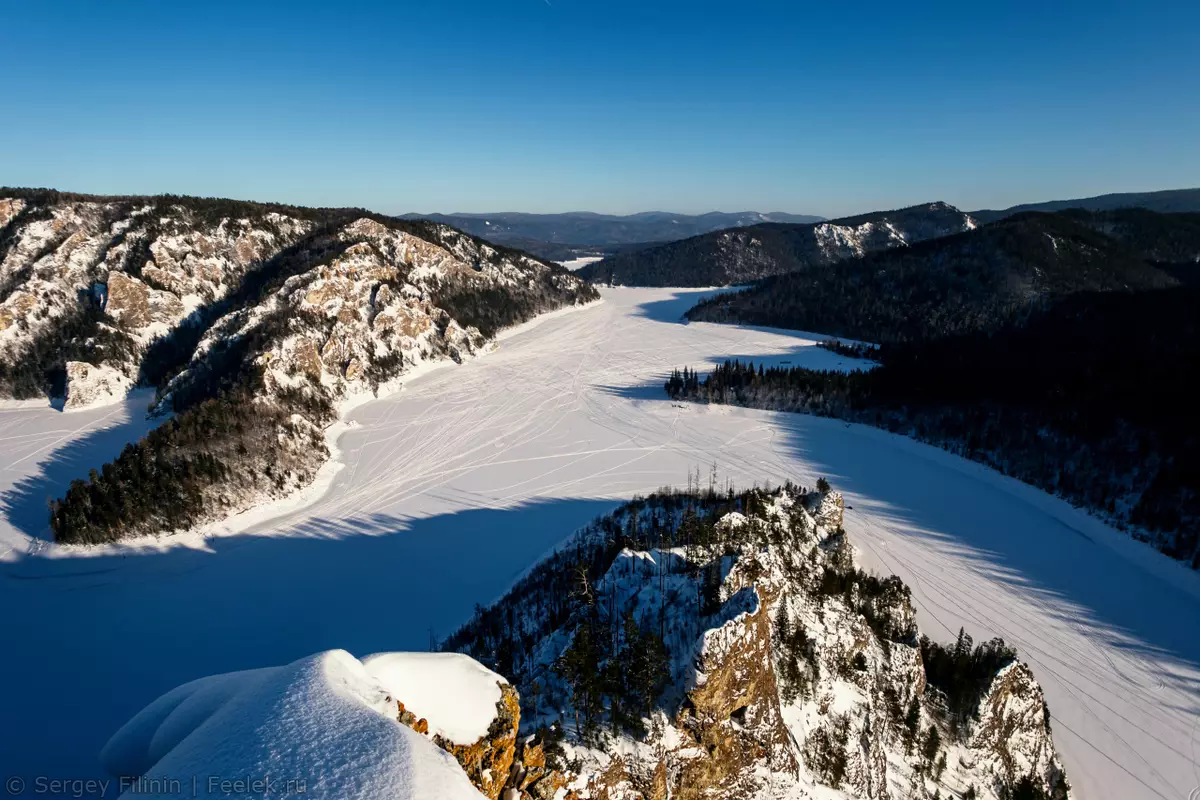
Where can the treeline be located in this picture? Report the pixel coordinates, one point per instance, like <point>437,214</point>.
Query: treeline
<point>963,673</point>
<point>209,209</point>
<point>174,477</point>
<point>1081,398</point>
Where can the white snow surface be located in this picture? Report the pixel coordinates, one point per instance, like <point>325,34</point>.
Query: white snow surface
<point>455,693</point>
<point>454,486</point>
<point>320,727</point>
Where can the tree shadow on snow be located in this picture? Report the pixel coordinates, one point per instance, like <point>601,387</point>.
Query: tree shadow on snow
<point>26,503</point>
<point>1002,530</point>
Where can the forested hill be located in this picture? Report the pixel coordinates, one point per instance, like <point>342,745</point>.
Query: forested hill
<point>1171,241</point>
<point>745,254</point>
<point>1168,201</point>
<point>975,280</point>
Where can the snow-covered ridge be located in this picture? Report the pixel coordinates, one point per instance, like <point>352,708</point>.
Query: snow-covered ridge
<point>786,671</point>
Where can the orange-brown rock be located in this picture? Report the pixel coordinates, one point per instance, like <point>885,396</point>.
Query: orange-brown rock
<point>16,307</point>
<point>734,717</point>
<point>488,761</point>
<point>9,208</point>
<point>136,305</point>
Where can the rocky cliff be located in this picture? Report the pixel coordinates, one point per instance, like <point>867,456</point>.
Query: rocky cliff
<point>786,672</point>
<point>257,323</point>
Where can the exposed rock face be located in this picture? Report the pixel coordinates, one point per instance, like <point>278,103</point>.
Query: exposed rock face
<point>156,259</point>
<point>136,306</point>
<point>488,762</point>
<point>1011,739</point>
<point>89,386</point>
<point>733,716</point>
<point>790,670</point>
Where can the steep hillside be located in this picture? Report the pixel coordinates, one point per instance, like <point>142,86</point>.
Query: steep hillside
<point>747,254</point>
<point>714,644</point>
<point>256,322</point>
<point>971,281</point>
<point>1166,201</point>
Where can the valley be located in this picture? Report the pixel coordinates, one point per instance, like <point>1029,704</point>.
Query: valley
<point>448,490</point>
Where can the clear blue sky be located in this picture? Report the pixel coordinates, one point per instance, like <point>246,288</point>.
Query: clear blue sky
<point>613,106</point>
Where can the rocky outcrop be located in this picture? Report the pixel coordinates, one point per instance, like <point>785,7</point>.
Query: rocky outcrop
<point>489,761</point>
<point>1011,740</point>
<point>89,386</point>
<point>137,307</point>
<point>790,669</point>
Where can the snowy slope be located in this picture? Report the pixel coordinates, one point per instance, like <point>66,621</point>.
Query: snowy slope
<point>321,727</point>
<point>455,486</point>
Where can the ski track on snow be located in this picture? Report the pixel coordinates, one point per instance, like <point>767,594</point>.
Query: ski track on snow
<point>455,485</point>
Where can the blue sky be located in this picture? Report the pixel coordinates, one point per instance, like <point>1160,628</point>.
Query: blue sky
<point>558,105</point>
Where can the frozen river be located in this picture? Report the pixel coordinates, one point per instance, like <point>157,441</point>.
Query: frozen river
<point>455,485</point>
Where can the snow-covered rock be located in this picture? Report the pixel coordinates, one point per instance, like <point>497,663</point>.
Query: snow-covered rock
<point>89,386</point>
<point>320,727</point>
<point>792,673</point>
<point>456,693</point>
<point>1012,739</point>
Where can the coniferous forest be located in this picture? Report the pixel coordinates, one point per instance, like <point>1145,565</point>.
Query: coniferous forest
<point>1084,398</point>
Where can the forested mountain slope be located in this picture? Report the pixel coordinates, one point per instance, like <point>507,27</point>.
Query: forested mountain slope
<point>254,321</point>
<point>975,280</point>
<point>747,254</point>
<point>1081,398</point>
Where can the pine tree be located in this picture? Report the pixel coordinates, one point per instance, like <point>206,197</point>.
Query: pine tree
<point>579,666</point>
<point>912,721</point>
<point>933,743</point>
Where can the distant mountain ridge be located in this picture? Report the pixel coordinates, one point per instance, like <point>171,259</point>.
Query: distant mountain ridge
<point>585,229</point>
<point>759,251</point>
<point>1168,201</point>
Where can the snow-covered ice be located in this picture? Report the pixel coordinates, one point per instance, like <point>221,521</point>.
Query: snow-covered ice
<point>454,486</point>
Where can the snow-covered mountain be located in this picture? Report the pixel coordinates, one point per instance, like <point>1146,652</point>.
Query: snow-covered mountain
<point>256,322</point>
<point>744,254</point>
<point>687,645</point>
